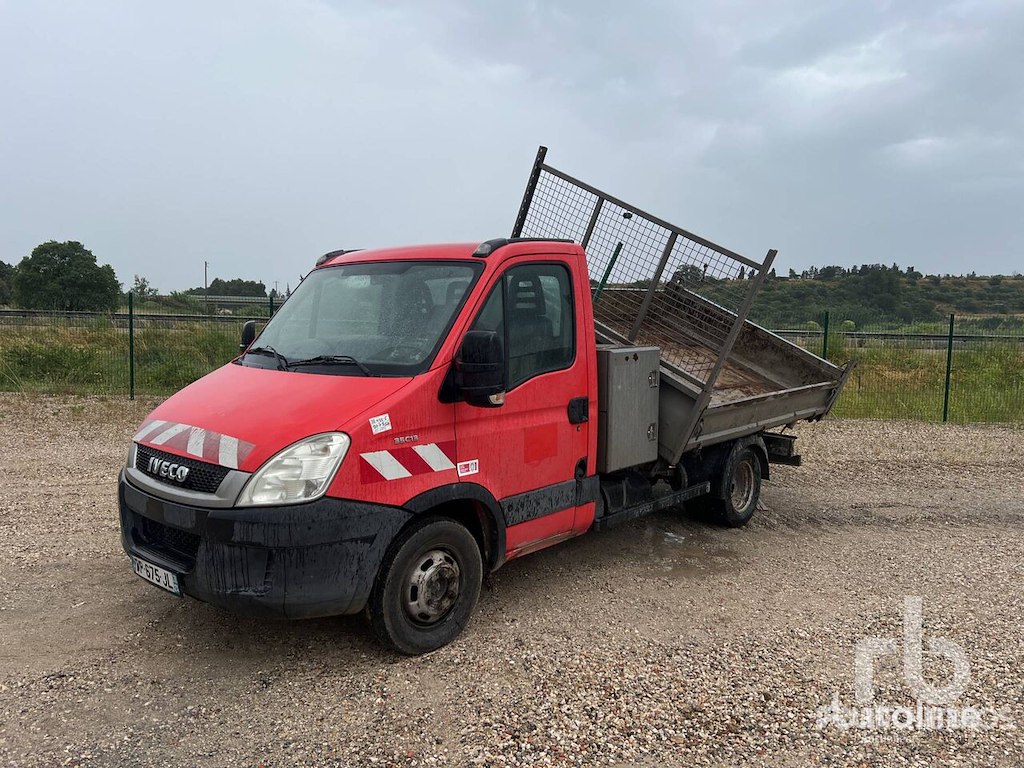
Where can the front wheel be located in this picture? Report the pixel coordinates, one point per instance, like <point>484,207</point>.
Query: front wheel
<point>427,587</point>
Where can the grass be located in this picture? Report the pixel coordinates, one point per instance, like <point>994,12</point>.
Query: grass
<point>893,379</point>
<point>900,381</point>
<point>92,356</point>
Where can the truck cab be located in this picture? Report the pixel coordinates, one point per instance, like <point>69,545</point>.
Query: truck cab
<point>410,419</point>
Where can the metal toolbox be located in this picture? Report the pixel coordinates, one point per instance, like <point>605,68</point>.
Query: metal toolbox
<point>627,404</point>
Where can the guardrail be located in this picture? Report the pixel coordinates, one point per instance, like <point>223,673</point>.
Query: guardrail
<point>125,316</point>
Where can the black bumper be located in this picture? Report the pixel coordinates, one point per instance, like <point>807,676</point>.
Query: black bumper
<point>300,561</point>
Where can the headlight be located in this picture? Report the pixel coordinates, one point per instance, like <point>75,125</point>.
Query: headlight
<point>301,472</point>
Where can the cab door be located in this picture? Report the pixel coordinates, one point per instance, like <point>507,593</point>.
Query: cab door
<point>527,451</point>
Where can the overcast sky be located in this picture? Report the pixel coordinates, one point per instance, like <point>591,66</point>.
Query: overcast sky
<point>258,134</point>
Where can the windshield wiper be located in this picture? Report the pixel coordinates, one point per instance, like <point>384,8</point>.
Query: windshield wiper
<point>332,360</point>
<point>282,361</point>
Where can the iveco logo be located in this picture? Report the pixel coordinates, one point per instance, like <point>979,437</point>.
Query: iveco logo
<point>168,469</point>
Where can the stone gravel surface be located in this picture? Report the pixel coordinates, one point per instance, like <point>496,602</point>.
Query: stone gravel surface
<point>666,642</point>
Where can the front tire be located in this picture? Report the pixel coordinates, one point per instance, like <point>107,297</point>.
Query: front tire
<point>427,587</point>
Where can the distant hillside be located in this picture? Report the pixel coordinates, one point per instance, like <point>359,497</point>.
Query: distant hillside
<point>875,293</point>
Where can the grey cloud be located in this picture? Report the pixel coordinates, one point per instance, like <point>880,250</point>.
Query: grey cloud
<point>258,134</point>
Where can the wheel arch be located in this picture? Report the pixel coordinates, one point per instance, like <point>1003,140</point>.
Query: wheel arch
<point>471,505</point>
<point>710,463</point>
<point>759,449</point>
<point>756,443</point>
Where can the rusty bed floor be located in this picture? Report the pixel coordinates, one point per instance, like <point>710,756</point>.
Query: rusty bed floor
<point>736,381</point>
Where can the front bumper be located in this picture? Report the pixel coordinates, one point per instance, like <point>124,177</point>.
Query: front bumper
<point>298,561</point>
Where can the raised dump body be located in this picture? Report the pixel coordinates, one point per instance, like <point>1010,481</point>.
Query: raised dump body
<point>656,284</point>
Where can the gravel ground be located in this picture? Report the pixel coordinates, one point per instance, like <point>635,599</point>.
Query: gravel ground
<point>667,642</point>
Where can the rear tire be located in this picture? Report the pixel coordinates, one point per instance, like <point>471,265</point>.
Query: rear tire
<point>740,489</point>
<point>427,587</point>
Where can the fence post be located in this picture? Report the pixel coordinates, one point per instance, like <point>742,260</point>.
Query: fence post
<point>608,271</point>
<point>131,346</point>
<point>949,368</point>
<point>824,337</point>
<point>271,305</point>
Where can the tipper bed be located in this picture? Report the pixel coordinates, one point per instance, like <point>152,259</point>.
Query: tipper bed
<point>656,284</point>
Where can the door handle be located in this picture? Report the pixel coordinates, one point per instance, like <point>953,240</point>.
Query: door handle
<point>579,410</point>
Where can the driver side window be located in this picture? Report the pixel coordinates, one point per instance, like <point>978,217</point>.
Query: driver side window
<point>531,310</point>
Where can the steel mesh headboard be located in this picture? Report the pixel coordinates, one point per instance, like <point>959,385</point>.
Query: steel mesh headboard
<point>653,282</point>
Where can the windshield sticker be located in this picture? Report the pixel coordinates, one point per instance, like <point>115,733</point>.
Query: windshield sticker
<point>469,467</point>
<point>380,423</point>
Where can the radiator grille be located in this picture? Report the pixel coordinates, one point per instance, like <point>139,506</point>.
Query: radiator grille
<point>202,477</point>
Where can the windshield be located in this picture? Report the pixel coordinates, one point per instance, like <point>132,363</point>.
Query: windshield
<point>378,319</point>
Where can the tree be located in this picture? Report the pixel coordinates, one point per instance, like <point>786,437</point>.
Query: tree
<point>688,274</point>
<point>65,276</point>
<point>142,289</point>
<point>234,287</point>
<point>831,272</point>
<point>6,275</point>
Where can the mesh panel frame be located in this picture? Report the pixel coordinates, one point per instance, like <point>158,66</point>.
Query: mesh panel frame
<point>654,283</point>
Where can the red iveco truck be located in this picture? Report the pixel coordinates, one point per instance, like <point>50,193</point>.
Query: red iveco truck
<point>413,418</point>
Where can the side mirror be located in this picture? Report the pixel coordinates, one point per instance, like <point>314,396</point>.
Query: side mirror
<point>248,334</point>
<point>480,369</point>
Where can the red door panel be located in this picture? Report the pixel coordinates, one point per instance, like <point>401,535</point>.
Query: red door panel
<point>528,445</point>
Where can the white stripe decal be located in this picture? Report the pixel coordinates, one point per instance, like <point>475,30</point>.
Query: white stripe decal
<point>170,432</point>
<point>196,439</point>
<point>434,457</point>
<point>227,452</point>
<point>388,466</point>
<point>147,429</point>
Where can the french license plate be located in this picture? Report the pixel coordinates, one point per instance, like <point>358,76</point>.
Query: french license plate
<point>156,575</point>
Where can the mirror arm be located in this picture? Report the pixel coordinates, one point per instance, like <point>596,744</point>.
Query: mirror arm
<point>248,335</point>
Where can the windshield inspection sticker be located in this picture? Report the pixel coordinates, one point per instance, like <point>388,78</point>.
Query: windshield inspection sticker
<point>468,467</point>
<point>380,424</point>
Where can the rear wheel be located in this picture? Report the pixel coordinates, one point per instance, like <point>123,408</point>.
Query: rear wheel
<point>427,588</point>
<point>740,489</point>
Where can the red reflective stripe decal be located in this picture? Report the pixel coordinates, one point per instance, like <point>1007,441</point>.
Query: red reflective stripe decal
<point>407,461</point>
<point>187,440</point>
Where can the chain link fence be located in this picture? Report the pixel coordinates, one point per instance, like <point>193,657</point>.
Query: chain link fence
<point>967,370</point>
<point>153,346</point>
